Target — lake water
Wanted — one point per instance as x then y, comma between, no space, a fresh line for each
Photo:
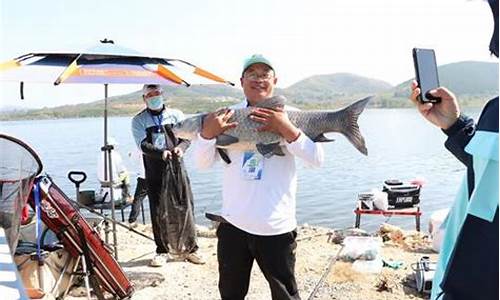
401,145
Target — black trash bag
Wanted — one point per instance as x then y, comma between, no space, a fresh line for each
176,208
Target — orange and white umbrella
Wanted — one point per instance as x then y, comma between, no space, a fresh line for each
105,64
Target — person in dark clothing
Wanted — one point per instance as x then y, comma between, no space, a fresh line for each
169,189
468,262
140,193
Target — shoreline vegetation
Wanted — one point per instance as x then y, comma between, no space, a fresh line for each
190,106
474,83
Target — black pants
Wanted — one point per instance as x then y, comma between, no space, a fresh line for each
141,191
275,255
154,191
125,191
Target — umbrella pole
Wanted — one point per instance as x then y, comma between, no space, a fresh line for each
108,169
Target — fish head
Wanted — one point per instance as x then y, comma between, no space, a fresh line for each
188,128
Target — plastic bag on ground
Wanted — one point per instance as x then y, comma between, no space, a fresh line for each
368,266
360,247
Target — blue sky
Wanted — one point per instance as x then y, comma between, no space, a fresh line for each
372,38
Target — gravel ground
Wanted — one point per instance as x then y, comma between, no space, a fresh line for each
183,280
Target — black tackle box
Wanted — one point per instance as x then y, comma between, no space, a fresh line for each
401,195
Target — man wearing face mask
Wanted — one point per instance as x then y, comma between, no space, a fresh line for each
169,190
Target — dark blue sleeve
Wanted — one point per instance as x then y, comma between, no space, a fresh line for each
459,135
142,137
184,144
149,150
488,121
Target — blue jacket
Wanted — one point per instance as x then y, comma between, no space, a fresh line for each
145,125
468,262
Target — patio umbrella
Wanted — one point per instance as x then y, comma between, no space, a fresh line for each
105,63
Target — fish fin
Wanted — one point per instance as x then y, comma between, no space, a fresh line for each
268,150
225,140
322,139
276,101
351,131
224,156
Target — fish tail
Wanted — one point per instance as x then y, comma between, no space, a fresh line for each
351,131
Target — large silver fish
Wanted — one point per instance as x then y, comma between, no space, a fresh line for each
314,124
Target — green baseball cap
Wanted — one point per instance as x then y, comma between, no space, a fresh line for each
256,59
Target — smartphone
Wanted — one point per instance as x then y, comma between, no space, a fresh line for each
426,74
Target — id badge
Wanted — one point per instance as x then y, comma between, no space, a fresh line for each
253,164
159,140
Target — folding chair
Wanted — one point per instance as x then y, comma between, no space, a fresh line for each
98,202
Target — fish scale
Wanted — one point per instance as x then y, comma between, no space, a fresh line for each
314,124
246,131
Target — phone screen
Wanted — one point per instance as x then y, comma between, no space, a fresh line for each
426,73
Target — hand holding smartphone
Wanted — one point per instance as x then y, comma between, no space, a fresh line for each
426,74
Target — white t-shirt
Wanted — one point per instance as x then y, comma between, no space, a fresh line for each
137,156
265,206
118,166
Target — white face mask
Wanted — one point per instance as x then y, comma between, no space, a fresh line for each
155,103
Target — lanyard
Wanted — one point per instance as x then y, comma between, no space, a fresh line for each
160,120
38,224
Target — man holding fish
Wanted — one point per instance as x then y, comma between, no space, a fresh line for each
258,208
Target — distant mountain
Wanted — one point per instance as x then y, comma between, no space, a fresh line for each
323,87
12,108
193,92
466,79
332,90
473,83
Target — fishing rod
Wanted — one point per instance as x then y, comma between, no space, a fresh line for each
72,176
312,236
111,220
331,262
